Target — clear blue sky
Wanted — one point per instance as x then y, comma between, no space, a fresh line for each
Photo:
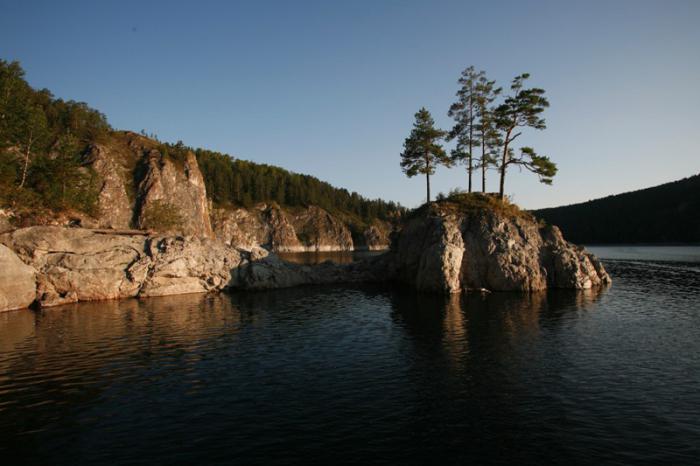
330,88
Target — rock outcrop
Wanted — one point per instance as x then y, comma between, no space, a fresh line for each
167,184
440,249
17,281
446,250
113,202
283,230
375,237
76,264
141,187
56,265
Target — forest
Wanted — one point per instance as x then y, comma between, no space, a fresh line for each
668,213
43,140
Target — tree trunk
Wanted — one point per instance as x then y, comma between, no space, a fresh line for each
483,164
471,129
470,170
427,175
26,159
504,163
427,185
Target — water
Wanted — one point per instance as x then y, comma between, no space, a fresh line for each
367,374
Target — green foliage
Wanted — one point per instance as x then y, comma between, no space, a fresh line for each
521,109
161,216
41,143
460,202
422,150
238,182
474,123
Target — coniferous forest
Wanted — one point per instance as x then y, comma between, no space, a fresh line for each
43,140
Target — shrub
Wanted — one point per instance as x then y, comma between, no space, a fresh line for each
161,216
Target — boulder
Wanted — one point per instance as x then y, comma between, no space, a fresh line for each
17,281
190,265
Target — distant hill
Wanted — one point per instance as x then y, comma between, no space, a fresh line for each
668,213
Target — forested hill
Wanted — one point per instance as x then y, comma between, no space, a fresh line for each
44,140
668,213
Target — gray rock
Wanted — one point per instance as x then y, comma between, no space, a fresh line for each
17,281
75,264
282,230
190,265
447,252
179,187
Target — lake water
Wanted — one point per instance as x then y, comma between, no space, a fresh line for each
363,374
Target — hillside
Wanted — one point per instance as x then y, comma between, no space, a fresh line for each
61,162
668,213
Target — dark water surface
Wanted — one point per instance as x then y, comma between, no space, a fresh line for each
362,375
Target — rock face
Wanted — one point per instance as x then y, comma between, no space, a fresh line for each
180,188
448,252
280,230
438,250
375,237
17,281
137,180
142,186
114,204
320,231
57,265
75,264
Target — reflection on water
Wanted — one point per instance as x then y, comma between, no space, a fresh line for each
360,374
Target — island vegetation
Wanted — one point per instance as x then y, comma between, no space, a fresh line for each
488,120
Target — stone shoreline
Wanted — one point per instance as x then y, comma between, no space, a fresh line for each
437,251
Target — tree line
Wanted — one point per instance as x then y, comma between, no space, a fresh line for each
487,122
43,142
236,182
42,139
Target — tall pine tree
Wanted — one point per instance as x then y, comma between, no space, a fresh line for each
522,109
422,151
464,112
487,134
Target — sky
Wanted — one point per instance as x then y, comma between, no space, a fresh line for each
330,88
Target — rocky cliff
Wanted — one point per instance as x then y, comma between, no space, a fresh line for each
442,248
140,185
294,230
53,265
449,248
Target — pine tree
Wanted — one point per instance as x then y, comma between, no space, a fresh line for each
422,151
520,110
464,112
486,94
